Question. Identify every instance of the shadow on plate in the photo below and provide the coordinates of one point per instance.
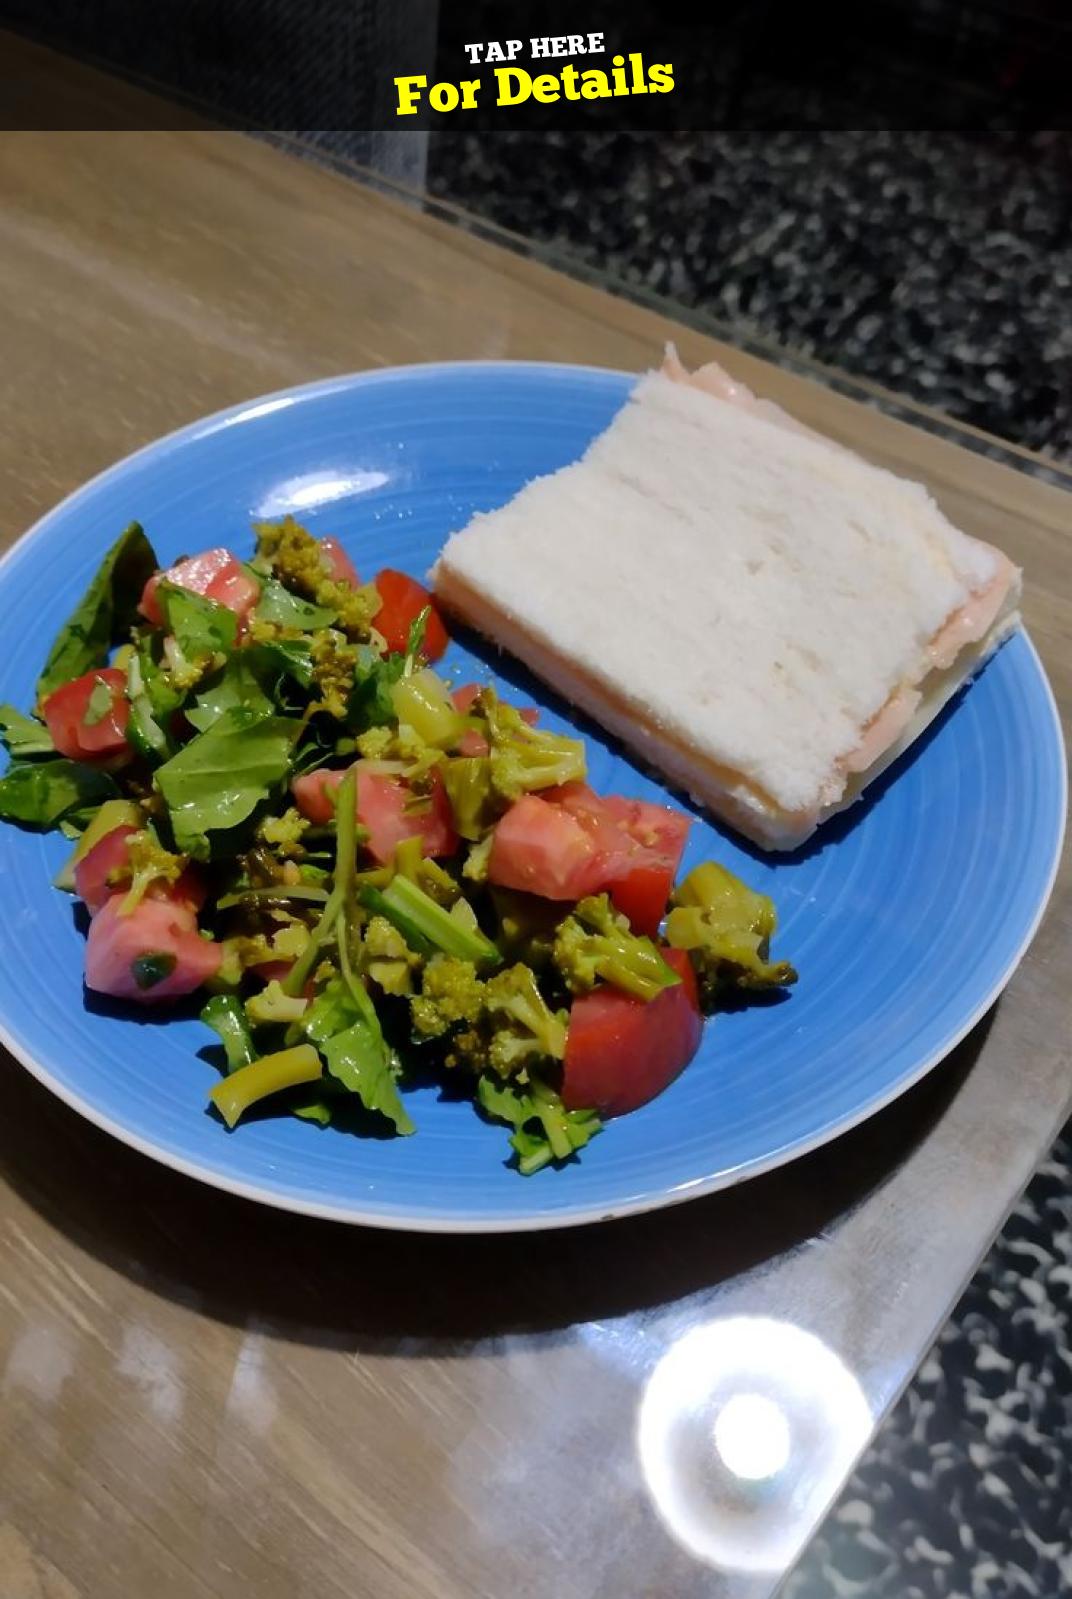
(324, 1283)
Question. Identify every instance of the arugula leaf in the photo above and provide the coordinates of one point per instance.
(222, 775)
(292, 656)
(24, 735)
(146, 677)
(277, 604)
(98, 705)
(355, 1052)
(240, 685)
(103, 615)
(45, 793)
(370, 703)
(200, 626)
(544, 1130)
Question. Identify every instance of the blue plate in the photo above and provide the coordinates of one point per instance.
(905, 920)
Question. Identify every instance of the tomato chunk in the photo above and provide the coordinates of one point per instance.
(88, 717)
(151, 955)
(338, 564)
(621, 1052)
(641, 845)
(541, 849)
(386, 807)
(107, 857)
(105, 870)
(216, 574)
(402, 601)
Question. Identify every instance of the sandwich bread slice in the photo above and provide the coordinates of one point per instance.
(759, 613)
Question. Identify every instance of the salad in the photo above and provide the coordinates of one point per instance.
(370, 876)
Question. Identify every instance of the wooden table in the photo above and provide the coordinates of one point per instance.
(201, 1397)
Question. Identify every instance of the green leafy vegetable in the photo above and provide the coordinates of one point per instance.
(348, 1036)
(98, 705)
(225, 1014)
(152, 968)
(371, 703)
(24, 736)
(418, 917)
(277, 604)
(45, 793)
(543, 1129)
(103, 615)
(222, 775)
(200, 626)
(241, 684)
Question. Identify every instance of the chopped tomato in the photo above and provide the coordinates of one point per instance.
(338, 564)
(105, 870)
(621, 1051)
(88, 717)
(541, 849)
(472, 743)
(464, 695)
(107, 857)
(402, 601)
(386, 807)
(641, 844)
(216, 574)
(155, 953)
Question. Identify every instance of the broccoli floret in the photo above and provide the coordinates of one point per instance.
(523, 1028)
(148, 862)
(284, 833)
(376, 743)
(297, 560)
(467, 779)
(451, 993)
(273, 1005)
(502, 1024)
(524, 758)
(476, 862)
(594, 942)
(726, 927)
(184, 673)
(334, 662)
(387, 957)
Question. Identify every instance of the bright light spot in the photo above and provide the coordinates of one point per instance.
(262, 408)
(752, 1437)
(746, 1431)
(314, 489)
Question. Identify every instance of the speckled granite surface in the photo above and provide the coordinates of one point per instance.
(941, 267)
(938, 265)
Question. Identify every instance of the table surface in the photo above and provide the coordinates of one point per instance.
(201, 1397)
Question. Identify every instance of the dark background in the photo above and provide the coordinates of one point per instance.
(749, 64)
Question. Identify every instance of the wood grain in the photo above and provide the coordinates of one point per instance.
(202, 1398)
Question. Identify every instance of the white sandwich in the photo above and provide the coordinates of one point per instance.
(760, 614)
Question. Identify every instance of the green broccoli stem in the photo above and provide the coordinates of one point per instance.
(354, 985)
(552, 1116)
(226, 1016)
(416, 914)
(342, 888)
(535, 1161)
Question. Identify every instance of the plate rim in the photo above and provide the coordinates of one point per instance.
(357, 1214)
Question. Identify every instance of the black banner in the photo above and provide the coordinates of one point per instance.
(394, 65)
